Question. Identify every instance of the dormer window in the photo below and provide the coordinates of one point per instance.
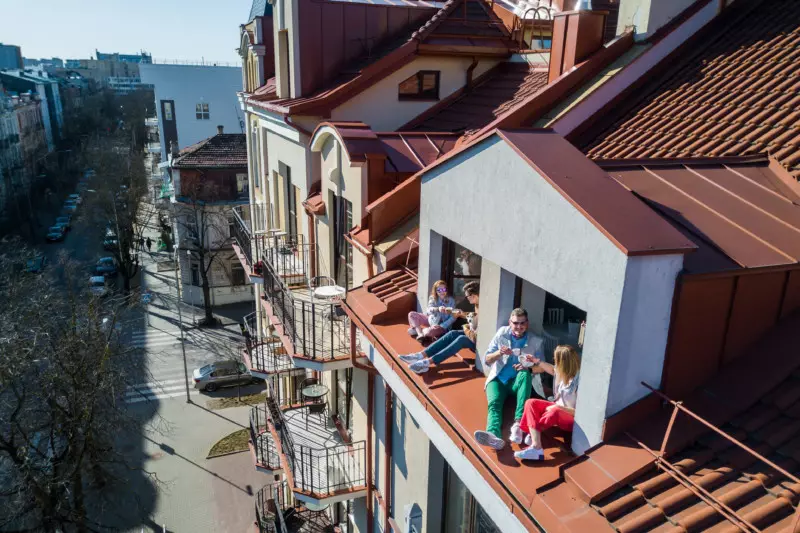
(424, 85)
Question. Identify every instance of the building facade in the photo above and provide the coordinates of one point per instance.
(11, 160)
(10, 57)
(191, 101)
(47, 89)
(209, 179)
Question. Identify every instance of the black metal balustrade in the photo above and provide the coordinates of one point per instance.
(274, 514)
(291, 258)
(319, 471)
(270, 357)
(251, 325)
(268, 512)
(317, 329)
(265, 450)
(243, 235)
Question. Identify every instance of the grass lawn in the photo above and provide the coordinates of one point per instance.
(235, 442)
(224, 403)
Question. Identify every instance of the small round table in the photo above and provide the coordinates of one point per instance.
(314, 391)
(315, 507)
(327, 292)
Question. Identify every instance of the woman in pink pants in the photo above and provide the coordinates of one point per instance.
(542, 414)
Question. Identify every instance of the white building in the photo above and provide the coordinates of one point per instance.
(192, 100)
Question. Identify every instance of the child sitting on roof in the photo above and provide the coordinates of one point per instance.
(438, 318)
(539, 415)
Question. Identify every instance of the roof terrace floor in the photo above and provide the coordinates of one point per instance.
(456, 390)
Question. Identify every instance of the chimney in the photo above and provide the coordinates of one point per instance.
(219, 129)
(576, 36)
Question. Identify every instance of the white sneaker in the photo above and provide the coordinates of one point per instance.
(412, 357)
(530, 454)
(421, 366)
(516, 433)
(528, 440)
(484, 438)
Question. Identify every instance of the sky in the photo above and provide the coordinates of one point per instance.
(168, 29)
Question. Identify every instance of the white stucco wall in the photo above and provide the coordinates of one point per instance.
(379, 105)
(295, 155)
(648, 15)
(189, 85)
(508, 214)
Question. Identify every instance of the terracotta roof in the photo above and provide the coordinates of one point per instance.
(740, 212)
(494, 93)
(734, 92)
(223, 150)
(405, 152)
(314, 204)
(266, 92)
(615, 491)
(447, 31)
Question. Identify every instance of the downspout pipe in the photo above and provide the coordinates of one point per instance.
(470, 69)
(370, 426)
(371, 370)
(388, 424)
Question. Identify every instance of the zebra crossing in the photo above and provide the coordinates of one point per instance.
(165, 381)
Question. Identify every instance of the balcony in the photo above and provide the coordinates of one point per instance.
(261, 444)
(268, 358)
(322, 466)
(244, 244)
(314, 331)
(274, 514)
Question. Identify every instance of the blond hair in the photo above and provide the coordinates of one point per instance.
(440, 283)
(567, 362)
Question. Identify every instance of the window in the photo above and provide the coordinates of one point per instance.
(167, 110)
(201, 112)
(460, 266)
(462, 513)
(424, 85)
(241, 184)
(237, 275)
(195, 275)
(231, 225)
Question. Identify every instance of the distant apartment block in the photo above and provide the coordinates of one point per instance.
(192, 100)
(143, 57)
(125, 85)
(10, 56)
(46, 88)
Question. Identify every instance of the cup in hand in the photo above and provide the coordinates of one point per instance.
(526, 360)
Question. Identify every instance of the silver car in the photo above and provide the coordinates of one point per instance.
(222, 374)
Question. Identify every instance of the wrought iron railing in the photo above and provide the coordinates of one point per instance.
(270, 357)
(292, 259)
(243, 235)
(318, 471)
(265, 449)
(317, 329)
(251, 325)
(268, 513)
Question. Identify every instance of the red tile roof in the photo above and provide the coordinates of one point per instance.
(735, 91)
(446, 32)
(497, 91)
(740, 212)
(224, 150)
(762, 412)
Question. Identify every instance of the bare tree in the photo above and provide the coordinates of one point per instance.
(62, 369)
(119, 201)
(201, 217)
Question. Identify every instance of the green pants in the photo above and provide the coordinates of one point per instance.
(496, 394)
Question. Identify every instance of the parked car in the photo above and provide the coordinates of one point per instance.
(110, 243)
(64, 220)
(55, 233)
(75, 198)
(69, 207)
(36, 264)
(222, 374)
(62, 225)
(97, 286)
(106, 267)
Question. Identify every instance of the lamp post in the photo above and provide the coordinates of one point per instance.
(179, 300)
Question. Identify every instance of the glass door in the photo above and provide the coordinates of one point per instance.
(343, 250)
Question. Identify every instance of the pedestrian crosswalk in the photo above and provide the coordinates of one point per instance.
(154, 340)
(170, 383)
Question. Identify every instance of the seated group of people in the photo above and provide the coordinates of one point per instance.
(512, 357)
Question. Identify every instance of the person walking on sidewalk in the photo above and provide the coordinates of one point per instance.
(141, 243)
(149, 243)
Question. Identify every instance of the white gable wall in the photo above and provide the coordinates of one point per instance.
(499, 207)
(379, 105)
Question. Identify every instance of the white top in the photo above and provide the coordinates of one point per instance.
(565, 394)
(329, 291)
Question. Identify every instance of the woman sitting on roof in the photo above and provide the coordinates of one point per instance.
(542, 414)
(437, 320)
(452, 342)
